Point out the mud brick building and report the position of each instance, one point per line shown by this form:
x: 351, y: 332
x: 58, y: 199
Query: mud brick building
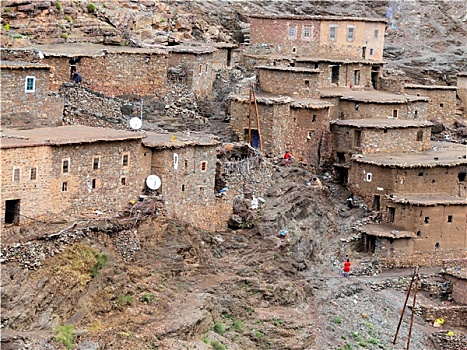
x: 69, y: 170
x: 296, y: 124
x: 458, y: 277
x: 328, y: 36
x: 26, y: 99
x: 462, y: 88
x: 186, y: 165
x: 442, y: 101
x: 111, y: 70
x: 194, y: 66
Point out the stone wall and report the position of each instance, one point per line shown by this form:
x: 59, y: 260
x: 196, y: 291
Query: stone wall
x: 376, y: 140
x: 441, y: 104
x: 27, y: 110
x: 440, y: 179
x: 462, y: 89
x: 188, y: 186
x: 82, y: 190
x: 455, y: 315
x: 273, y: 36
x: 200, y: 73
x: 459, y: 288
x: 289, y: 82
x: 416, y: 110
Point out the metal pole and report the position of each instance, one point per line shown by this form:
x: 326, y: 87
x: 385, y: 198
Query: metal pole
x: 249, y: 120
x: 405, y: 304
x: 413, y: 311
x: 257, y: 121
x: 141, y: 114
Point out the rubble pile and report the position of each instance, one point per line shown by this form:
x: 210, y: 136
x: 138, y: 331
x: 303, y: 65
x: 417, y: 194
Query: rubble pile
x: 445, y: 341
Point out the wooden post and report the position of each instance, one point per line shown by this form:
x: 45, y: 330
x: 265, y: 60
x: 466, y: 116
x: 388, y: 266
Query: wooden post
x: 257, y: 119
x: 249, y: 120
x: 415, y: 272
x: 413, y: 311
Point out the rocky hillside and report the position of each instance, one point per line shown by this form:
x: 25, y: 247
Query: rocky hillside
x: 426, y: 39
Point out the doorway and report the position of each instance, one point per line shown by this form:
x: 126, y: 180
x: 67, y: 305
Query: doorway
x: 374, y: 79
x: 254, y: 142
x: 364, y: 52
x: 376, y: 202
x: 12, y: 211
x: 356, y: 77
x: 335, y: 74
x: 391, y: 214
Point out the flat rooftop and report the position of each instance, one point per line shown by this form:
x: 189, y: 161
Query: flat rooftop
x: 313, y: 59
x: 191, y: 49
x: 178, y: 140
x: 382, y: 123
x: 320, y: 18
x: 88, y: 50
x: 424, y: 199
x: 445, y: 154
x: 429, y: 87
x: 270, y: 99
x: 290, y: 69
x: 63, y: 135
x: 369, y: 96
x: 385, y: 231
x: 22, y: 65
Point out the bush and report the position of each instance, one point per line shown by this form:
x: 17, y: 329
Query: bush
x: 219, y: 328
x: 217, y: 345
x: 68, y: 18
x: 238, y: 325
x: 337, y: 320
x: 66, y: 335
x: 147, y: 298
x: 124, y: 300
x: 102, y: 259
x: 91, y: 7
x: 65, y: 36
x: 6, y: 27
x: 7, y: 10
x: 58, y: 6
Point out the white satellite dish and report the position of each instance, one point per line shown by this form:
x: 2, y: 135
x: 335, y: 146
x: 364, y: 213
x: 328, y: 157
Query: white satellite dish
x: 153, y: 182
x: 136, y: 123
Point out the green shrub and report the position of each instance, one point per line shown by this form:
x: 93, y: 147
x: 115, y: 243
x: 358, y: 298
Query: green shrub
x: 373, y: 341
x: 124, y: 300
x: 219, y: 328
x: 65, y: 36
x: 205, y: 340
x: 58, y: 6
x: 91, y: 7
x: 68, y: 18
x: 337, y: 320
x: 238, y: 325
x: 217, y: 345
x: 66, y: 335
x: 102, y: 259
x: 7, y: 10
x: 6, y: 26
x: 147, y: 298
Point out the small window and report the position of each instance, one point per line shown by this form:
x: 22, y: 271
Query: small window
x: 294, y: 50
x: 95, y: 163
x: 64, y: 186
x: 65, y: 166
x: 186, y: 163
x: 358, y: 138
x: 183, y: 188
x: 123, y: 181
x: 419, y: 135
x: 415, y: 114
x: 30, y: 84
x: 437, y: 246
x: 93, y: 183
x: 371, y: 52
x: 307, y: 32
x: 369, y: 177
x: 125, y: 160
x: 420, y: 173
x: 395, y: 113
x: 427, y: 220
x: 449, y: 218
x: 307, y: 83
x: 33, y: 174
x: 16, y: 174
x: 332, y: 33
x: 441, y: 104
x: 357, y: 106
x: 385, y: 131
x: 204, y: 165
x: 350, y: 34
x: 291, y: 31
x: 175, y: 161
x: 419, y: 233
x: 376, y: 32
x: 461, y: 176
x: 313, y: 119
x: 200, y: 68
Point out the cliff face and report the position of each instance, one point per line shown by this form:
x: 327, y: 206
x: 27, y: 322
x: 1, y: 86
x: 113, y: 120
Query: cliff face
x: 426, y: 39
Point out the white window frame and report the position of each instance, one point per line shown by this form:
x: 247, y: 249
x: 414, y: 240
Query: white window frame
x: 30, y: 173
x: 350, y: 29
x: 368, y: 177
x: 68, y: 166
x: 333, y: 29
x: 175, y: 161
x: 292, y: 31
x: 33, y: 84
x: 371, y: 52
x: 307, y: 29
x: 16, y: 168
x: 205, y: 162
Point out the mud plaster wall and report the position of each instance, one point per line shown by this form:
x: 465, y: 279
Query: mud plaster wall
x: 404, y: 180
x: 45, y: 196
x: 115, y: 74
x: 432, y: 225
x: 187, y: 189
x: 273, y: 36
x: 462, y: 90
x: 27, y: 110
x: 459, y: 289
x: 309, y: 135
x: 199, y: 67
x: 374, y: 140
x: 294, y: 84
x: 367, y: 110
x: 442, y: 103
x: 219, y: 59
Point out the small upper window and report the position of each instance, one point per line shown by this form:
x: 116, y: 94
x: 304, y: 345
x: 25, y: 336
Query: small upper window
x: 16, y: 174
x: 332, y: 33
x: 125, y: 160
x: 95, y: 163
x: 291, y: 30
x: 64, y: 186
x: 420, y: 135
x: 204, y: 165
x: 30, y: 84
x: 65, y: 166
x: 350, y: 34
x: 33, y: 174
x: 371, y: 52
x: 369, y: 177
x: 175, y: 161
x: 307, y: 32
x: 376, y: 33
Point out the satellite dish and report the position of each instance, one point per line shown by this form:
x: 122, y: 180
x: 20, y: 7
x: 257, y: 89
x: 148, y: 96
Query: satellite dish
x: 153, y: 182
x: 136, y: 123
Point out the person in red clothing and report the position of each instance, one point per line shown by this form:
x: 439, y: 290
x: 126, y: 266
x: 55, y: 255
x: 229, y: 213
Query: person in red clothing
x: 346, y: 268
x: 287, y: 158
